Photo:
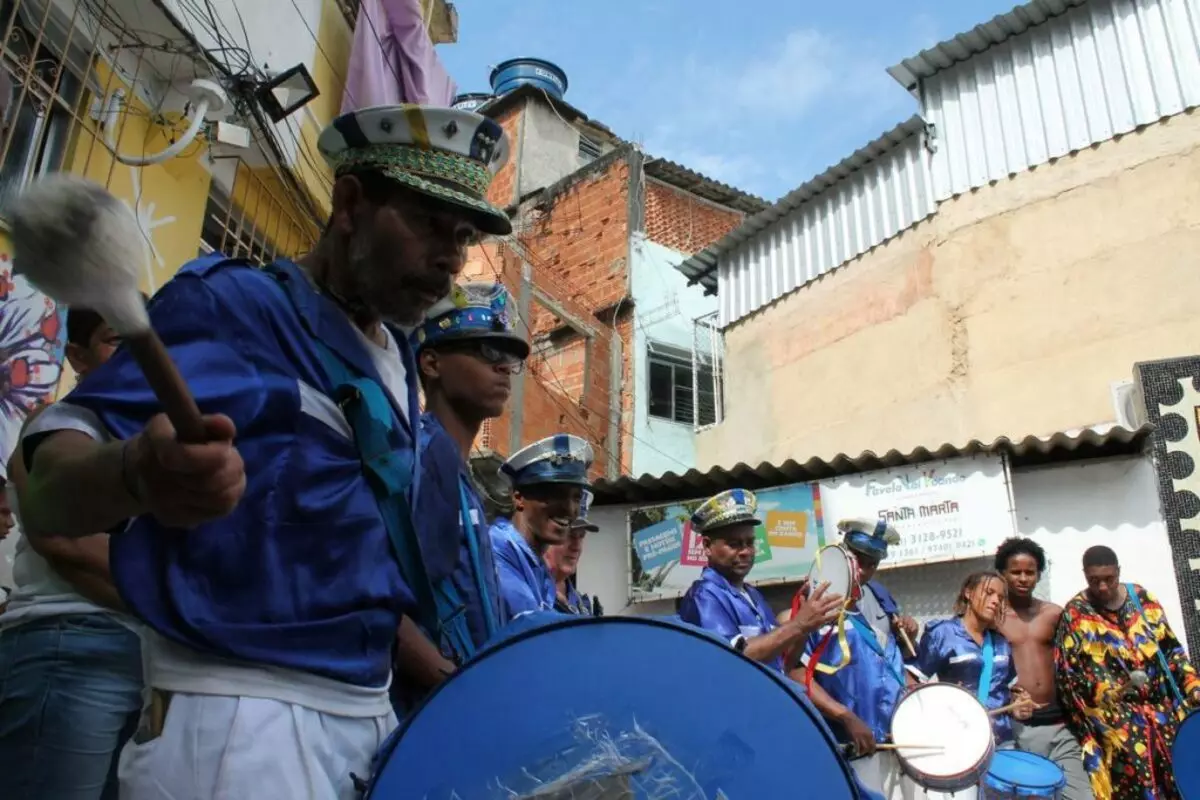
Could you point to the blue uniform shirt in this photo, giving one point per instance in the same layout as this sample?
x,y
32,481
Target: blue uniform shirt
x,y
577,604
438,509
949,652
525,581
713,604
872,683
301,575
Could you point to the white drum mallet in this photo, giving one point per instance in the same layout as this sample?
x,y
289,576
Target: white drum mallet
x,y
82,247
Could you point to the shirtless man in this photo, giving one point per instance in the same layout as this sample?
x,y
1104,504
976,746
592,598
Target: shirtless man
x,y
1030,629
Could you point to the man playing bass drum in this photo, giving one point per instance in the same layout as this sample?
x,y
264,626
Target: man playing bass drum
x,y
858,699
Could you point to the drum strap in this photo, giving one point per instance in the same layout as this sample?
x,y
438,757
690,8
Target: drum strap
x,y
989,664
1162,660
389,473
867,634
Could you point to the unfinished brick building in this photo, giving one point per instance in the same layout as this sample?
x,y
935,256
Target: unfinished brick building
x,y
586,209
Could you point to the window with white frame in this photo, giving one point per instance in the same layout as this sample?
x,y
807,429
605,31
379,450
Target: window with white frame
x,y
675,385
40,87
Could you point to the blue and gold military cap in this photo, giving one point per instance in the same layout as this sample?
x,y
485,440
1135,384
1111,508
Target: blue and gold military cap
x,y
477,310
446,153
561,458
731,507
870,537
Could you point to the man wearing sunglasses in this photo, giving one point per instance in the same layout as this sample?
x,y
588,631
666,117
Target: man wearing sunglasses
x,y
549,480
467,352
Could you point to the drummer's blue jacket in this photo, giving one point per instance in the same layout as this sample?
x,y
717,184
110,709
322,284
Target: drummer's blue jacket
x,y
525,581
712,603
452,525
948,652
871,683
301,574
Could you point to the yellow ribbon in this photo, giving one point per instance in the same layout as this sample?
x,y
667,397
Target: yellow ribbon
x,y
843,642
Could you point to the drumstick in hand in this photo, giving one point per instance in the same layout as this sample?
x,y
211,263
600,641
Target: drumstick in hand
x,y
83,247
995,712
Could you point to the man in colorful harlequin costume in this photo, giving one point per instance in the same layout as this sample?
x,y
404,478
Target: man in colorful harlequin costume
x,y
859,679
467,352
272,565
549,487
722,602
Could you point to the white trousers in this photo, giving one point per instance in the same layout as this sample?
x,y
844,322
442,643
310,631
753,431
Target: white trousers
x,y
882,773
234,748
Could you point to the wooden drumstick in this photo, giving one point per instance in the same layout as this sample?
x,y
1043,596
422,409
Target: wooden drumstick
x,y
995,712
893,746
82,247
912,651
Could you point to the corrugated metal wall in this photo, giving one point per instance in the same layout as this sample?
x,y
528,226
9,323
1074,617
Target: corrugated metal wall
x,y
1099,70
859,212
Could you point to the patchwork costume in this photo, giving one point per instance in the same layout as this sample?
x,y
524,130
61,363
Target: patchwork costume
x,y
525,581
875,677
1126,733
269,633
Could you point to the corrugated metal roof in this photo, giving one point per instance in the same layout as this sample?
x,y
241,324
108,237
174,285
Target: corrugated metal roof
x,y
1104,440
1079,78
703,186
965,45
859,203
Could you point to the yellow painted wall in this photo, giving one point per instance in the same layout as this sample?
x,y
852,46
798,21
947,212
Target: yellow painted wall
x,y
1010,312
169,198
335,39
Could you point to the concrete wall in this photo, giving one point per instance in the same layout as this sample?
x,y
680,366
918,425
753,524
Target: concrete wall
x,y
550,150
1064,507
1010,312
666,311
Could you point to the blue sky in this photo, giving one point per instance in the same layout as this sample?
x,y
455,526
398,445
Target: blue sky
x,y
762,94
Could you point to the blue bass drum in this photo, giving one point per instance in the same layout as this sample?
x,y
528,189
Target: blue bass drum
x,y
624,707
1183,757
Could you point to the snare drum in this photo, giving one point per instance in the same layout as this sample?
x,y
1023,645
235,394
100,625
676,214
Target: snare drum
x,y
1183,757
948,717
1014,775
838,567
563,706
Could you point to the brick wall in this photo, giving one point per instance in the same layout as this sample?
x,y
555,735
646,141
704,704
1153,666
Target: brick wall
x,y
578,246
501,192
684,222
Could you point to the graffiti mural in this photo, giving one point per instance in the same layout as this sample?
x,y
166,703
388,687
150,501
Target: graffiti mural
x,y
32,336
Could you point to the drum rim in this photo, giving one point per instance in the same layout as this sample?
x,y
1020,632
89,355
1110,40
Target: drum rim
x,y
568,621
976,772
1026,757
853,581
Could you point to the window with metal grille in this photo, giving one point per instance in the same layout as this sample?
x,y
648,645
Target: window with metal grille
x,y
674,386
40,89
229,232
589,151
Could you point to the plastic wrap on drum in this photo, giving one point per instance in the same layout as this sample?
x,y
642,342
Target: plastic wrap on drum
x,y
607,762
571,708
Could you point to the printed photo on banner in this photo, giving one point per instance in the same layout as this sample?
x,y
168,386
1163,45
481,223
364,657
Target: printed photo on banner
x,y
943,510
667,555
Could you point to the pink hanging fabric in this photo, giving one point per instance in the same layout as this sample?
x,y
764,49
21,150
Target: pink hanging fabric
x,y
393,59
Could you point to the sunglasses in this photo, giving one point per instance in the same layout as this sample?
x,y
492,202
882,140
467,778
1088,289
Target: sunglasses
x,y
488,353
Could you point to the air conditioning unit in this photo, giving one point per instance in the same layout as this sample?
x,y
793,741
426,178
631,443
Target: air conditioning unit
x,y
1128,406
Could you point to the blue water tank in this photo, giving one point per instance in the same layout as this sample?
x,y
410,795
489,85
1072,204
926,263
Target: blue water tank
x,y
533,71
470,101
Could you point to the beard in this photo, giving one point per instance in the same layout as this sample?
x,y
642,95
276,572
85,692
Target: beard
x,y
379,291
